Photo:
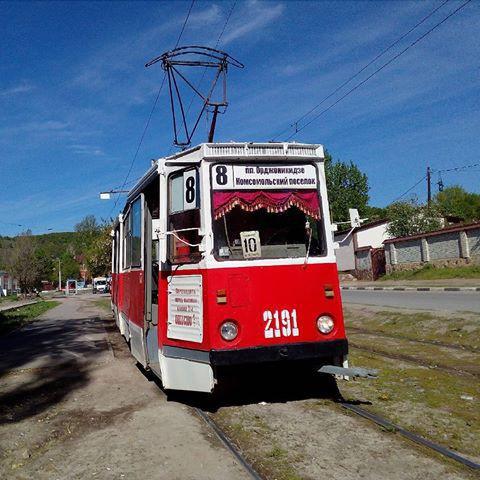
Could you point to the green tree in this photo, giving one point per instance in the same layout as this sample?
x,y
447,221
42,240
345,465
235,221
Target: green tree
x,y
24,264
70,267
409,218
455,201
99,255
88,230
376,213
347,188
45,264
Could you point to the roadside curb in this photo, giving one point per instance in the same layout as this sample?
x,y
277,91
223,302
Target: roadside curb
x,y
7,307
417,289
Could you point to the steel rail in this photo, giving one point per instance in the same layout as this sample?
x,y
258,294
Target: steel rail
x,y
413,360
411,436
436,343
226,441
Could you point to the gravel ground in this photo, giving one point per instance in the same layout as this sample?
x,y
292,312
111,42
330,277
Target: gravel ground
x,y
74,405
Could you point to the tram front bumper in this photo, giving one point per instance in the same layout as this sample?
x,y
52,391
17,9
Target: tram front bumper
x,y
313,351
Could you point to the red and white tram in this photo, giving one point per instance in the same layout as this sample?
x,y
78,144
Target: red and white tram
x,y
223,256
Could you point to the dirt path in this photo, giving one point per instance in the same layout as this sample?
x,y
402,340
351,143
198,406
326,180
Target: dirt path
x,y
72,409
75,406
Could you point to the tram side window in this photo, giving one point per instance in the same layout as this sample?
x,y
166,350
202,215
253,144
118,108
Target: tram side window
x,y
127,238
136,235
133,236
184,217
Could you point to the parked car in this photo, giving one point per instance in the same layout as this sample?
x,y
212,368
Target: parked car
x,y
100,285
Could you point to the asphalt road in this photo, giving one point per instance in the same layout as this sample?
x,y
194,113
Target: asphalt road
x,y
439,301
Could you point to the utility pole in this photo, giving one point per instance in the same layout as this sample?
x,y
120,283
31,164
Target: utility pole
x,y
429,186
59,276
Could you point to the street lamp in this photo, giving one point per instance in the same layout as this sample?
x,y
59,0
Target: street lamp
x,y
108,195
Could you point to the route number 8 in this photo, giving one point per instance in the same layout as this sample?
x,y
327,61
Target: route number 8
x,y
221,177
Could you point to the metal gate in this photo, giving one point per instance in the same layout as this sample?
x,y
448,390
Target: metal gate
x,y
378,262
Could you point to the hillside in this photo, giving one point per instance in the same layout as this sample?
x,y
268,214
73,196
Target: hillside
x,y
51,245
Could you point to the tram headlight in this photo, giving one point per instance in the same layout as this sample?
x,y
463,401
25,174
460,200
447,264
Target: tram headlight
x,y
229,331
325,324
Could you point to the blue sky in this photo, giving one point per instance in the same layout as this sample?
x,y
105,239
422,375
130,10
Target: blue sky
x,y
75,96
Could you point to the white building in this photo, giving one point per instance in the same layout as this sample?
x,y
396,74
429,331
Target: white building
x,y
361,252
8,284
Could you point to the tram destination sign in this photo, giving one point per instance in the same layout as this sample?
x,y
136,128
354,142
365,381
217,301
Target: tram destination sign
x,y
263,177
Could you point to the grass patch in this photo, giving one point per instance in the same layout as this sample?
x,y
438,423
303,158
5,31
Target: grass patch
x,y
256,440
8,298
429,272
104,303
20,316
462,331
430,402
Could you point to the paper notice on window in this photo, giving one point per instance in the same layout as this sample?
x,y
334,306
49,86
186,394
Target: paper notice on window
x,y
251,244
185,308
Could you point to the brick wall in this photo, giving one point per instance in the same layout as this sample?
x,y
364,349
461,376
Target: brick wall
x,y
453,246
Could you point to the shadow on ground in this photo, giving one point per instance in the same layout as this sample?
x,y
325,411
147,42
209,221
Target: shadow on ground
x,y
44,362
277,384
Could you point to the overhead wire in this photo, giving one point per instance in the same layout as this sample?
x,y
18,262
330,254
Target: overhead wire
x,y
378,70
355,75
147,124
456,169
439,171
410,189
217,43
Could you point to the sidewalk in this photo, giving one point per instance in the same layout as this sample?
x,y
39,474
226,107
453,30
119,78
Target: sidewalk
x,y
12,305
448,285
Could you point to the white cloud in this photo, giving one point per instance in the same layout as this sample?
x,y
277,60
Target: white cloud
x,y
90,150
23,87
255,16
203,18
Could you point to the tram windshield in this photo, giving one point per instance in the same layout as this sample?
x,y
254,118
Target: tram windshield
x,y
267,224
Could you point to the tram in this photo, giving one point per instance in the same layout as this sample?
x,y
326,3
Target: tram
x,y
223,256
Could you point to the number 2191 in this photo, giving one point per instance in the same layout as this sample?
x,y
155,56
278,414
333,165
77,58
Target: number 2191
x,y
283,324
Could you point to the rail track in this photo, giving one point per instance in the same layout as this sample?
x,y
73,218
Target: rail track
x,y
228,444
410,359
355,409
436,343
411,436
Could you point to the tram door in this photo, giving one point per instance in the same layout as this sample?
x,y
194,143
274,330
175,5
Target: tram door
x,y
151,257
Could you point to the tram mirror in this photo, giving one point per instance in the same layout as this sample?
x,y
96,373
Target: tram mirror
x,y
354,217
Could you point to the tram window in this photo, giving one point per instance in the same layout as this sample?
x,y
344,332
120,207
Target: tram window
x,y
285,234
127,237
184,218
155,263
136,234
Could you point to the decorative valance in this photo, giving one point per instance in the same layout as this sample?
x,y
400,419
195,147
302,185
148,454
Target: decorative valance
x,y
274,202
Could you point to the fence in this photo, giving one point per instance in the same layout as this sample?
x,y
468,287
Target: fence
x,y
452,246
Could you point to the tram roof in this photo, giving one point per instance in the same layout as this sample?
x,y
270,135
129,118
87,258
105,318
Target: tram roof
x,y
247,150
233,151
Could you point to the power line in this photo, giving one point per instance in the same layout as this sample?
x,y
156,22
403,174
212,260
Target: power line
x,y
395,57
355,75
234,4
151,112
185,23
410,189
227,19
456,169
